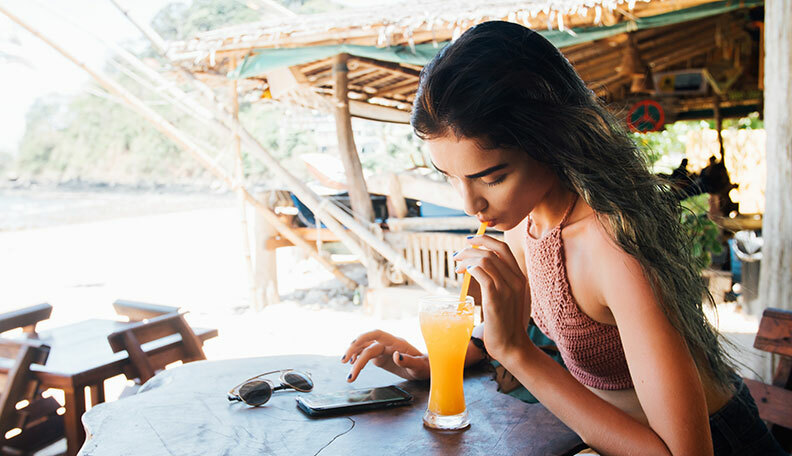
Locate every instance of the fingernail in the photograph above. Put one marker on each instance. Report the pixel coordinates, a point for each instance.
(349, 376)
(353, 340)
(470, 267)
(455, 253)
(401, 358)
(471, 236)
(342, 357)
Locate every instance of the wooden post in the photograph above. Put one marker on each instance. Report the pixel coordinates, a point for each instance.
(775, 286)
(266, 266)
(719, 126)
(397, 205)
(358, 193)
(239, 171)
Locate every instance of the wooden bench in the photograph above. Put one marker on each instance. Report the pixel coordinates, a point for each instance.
(132, 338)
(139, 311)
(775, 400)
(28, 421)
(25, 318)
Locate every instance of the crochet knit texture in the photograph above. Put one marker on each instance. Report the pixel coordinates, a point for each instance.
(592, 351)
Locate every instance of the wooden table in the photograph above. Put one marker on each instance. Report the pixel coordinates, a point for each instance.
(81, 357)
(185, 411)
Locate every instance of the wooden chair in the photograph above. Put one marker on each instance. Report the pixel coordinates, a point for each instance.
(37, 424)
(775, 401)
(161, 333)
(138, 311)
(25, 318)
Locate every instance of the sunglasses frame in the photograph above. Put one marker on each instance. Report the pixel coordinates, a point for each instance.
(233, 393)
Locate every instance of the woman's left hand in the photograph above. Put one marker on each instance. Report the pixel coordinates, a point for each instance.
(502, 284)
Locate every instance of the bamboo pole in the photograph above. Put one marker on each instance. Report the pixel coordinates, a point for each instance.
(321, 207)
(186, 142)
(255, 301)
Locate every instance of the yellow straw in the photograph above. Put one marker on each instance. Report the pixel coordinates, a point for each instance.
(466, 278)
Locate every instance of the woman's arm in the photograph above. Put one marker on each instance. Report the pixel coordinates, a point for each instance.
(665, 377)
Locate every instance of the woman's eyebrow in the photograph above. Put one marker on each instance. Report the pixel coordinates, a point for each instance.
(483, 173)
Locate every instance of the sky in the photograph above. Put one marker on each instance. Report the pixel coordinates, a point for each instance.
(45, 72)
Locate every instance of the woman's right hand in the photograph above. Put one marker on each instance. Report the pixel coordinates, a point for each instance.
(387, 351)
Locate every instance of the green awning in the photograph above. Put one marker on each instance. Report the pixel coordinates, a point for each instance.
(268, 59)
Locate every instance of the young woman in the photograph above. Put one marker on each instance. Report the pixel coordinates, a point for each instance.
(594, 253)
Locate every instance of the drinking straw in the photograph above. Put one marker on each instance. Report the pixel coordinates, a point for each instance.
(466, 278)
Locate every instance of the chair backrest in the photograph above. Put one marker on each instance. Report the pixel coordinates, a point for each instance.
(37, 422)
(25, 318)
(775, 401)
(162, 333)
(138, 311)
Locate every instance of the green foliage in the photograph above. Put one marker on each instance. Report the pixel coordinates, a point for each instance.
(704, 234)
(669, 142)
(178, 21)
(95, 139)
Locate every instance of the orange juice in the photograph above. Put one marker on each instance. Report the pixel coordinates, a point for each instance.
(446, 331)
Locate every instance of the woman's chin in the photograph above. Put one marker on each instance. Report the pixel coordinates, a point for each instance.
(501, 226)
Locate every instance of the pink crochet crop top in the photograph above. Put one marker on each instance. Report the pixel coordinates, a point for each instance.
(592, 351)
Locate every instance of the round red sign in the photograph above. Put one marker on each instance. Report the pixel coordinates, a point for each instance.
(646, 115)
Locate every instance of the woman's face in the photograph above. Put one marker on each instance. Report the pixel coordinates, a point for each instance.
(499, 186)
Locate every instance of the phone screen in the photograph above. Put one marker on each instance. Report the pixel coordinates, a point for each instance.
(355, 397)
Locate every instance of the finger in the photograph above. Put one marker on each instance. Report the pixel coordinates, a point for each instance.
(353, 350)
(364, 340)
(418, 364)
(499, 247)
(371, 351)
(485, 281)
(505, 271)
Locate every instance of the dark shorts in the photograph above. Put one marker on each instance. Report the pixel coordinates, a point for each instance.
(737, 429)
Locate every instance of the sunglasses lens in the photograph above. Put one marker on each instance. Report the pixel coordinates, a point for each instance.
(298, 381)
(255, 392)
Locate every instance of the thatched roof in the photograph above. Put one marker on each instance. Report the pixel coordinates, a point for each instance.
(410, 23)
(388, 44)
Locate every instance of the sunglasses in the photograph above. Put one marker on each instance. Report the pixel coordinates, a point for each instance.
(257, 391)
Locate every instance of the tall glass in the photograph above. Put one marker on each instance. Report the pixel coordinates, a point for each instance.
(446, 330)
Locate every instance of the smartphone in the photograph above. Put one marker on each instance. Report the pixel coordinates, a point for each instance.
(351, 401)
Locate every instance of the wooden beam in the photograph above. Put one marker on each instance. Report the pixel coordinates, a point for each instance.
(432, 224)
(389, 66)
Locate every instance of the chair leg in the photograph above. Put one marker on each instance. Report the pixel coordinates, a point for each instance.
(97, 394)
(75, 432)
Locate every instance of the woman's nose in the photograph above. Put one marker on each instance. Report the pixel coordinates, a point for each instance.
(472, 202)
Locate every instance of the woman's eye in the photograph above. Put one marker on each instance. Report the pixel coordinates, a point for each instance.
(496, 181)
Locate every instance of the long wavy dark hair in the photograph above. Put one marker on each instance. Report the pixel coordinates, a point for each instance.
(506, 86)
